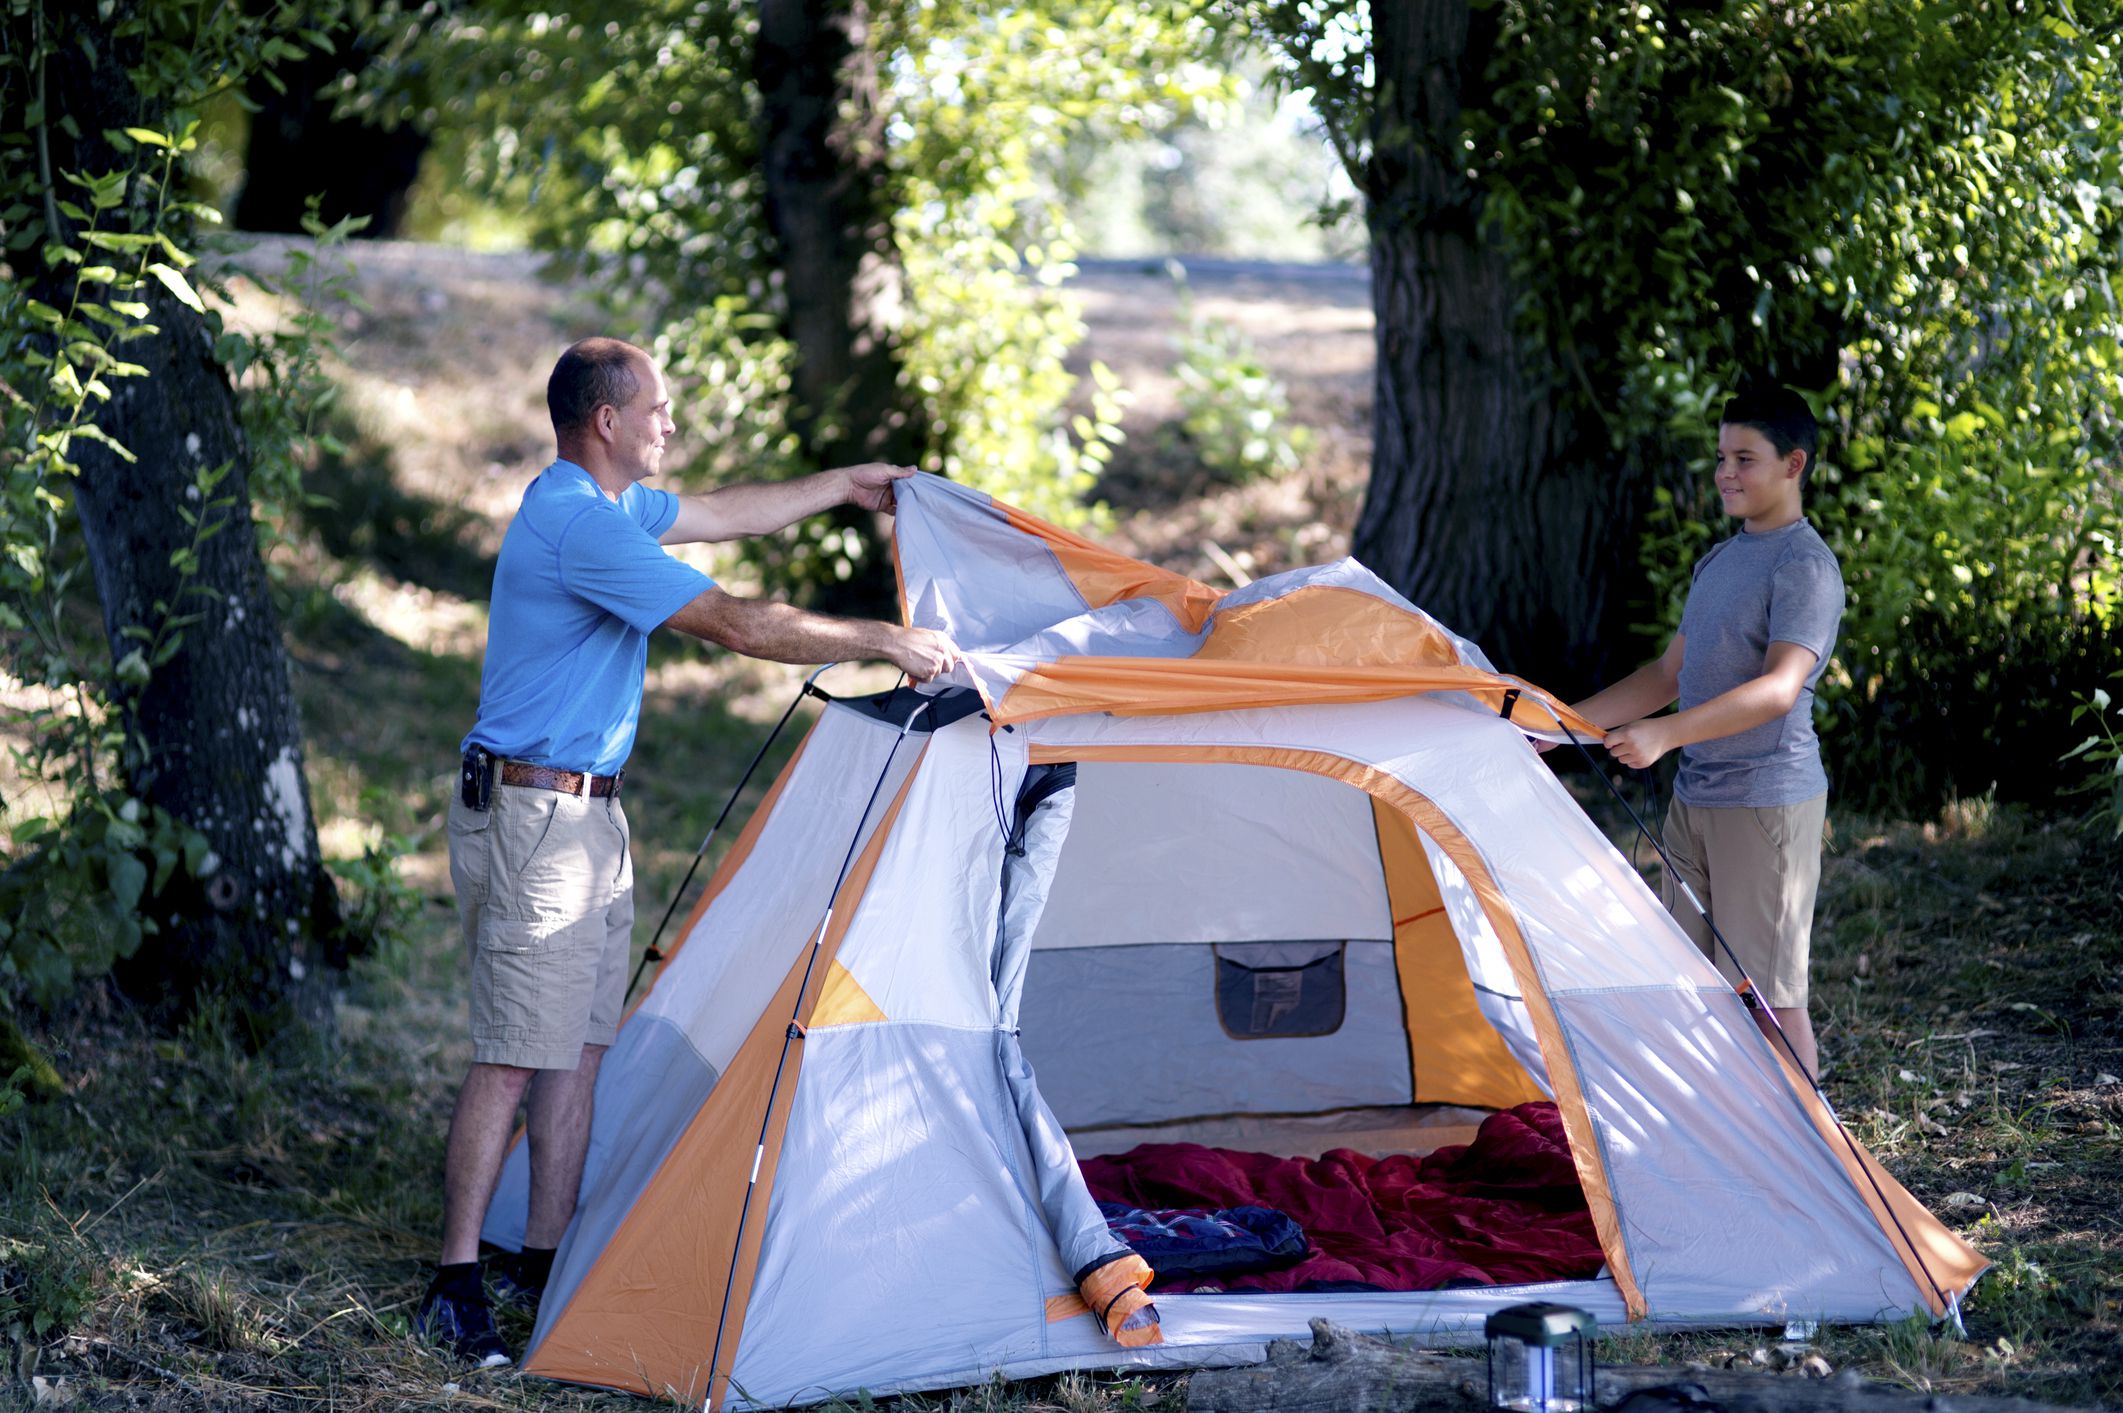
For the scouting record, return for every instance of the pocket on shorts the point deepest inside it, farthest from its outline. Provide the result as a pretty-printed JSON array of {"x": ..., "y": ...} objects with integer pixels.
[
  {"x": 1775, "y": 823},
  {"x": 470, "y": 872},
  {"x": 527, "y": 902}
]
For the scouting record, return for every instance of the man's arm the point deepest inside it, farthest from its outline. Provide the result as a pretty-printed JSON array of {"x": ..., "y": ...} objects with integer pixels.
[
  {"x": 762, "y": 507},
  {"x": 779, "y": 632},
  {"x": 1650, "y": 688},
  {"x": 1759, "y": 699}
]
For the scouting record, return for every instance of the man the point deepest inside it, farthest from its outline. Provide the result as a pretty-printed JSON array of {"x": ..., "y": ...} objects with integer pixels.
[
  {"x": 538, "y": 842},
  {"x": 1751, "y": 798}
]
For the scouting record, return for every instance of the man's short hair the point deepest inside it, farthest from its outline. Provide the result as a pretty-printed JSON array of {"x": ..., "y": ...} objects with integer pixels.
[
  {"x": 1777, "y": 413},
  {"x": 589, "y": 375}
]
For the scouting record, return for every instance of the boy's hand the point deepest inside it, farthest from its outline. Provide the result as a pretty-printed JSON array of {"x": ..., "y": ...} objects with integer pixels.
[{"x": 1639, "y": 743}]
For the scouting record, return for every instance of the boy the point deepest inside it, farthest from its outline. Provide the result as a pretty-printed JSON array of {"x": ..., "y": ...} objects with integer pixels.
[{"x": 1750, "y": 800}]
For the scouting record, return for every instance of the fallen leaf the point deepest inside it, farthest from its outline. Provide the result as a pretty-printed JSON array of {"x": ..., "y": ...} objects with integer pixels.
[{"x": 1958, "y": 1200}]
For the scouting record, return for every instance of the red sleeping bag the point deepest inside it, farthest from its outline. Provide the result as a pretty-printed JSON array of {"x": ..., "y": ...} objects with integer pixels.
[{"x": 1505, "y": 1209}]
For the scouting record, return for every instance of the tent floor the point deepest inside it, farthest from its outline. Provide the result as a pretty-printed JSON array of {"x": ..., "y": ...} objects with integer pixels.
[{"x": 1402, "y": 1128}]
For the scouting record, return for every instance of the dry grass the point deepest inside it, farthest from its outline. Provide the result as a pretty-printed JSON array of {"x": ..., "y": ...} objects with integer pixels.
[{"x": 203, "y": 1229}]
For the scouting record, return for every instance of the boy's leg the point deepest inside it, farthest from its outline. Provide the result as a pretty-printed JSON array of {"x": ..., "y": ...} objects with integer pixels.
[
  {"x": 1765, "y": 864},
  {"x": 1689, "y": 855}
]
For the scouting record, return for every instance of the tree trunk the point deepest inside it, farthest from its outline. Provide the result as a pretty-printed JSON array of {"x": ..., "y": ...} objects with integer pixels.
[
  {"x": 829, "y": 208},
  {"x": 297, "y": 149},
  {"x": 214, "y": 737},
  {"x": 1487, "y": 505}
]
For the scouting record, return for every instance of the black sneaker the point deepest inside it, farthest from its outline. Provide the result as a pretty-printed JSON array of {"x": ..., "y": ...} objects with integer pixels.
[
  {"x": 511, "y": 1284},
  {"x": 464, "y": 1327}
]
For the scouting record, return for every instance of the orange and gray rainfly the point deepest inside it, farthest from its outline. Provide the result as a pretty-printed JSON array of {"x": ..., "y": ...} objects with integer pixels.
[{"x": 835, "y": 1145}]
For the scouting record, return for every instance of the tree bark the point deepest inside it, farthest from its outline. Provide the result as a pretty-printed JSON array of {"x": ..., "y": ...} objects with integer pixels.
[
  {"x": 829, "y": 208},
  {"x": 1487, "y": 505},
  {"x": 213, "y": 732},
  {"x": 297, "y": 149}
]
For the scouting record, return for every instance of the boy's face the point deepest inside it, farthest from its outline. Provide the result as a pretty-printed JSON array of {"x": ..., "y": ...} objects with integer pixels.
[{"x": 1757, "y": 485}]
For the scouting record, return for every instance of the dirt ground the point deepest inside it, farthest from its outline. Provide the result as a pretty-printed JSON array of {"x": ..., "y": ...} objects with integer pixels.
[{"x": 446, "y": 353}]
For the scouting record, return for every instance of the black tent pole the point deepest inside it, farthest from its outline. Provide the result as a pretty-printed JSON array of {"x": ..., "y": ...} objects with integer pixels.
[{"x": 808, "y": 688}]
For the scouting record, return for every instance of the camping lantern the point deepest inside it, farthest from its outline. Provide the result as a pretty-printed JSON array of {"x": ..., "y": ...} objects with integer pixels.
[{"x": 1540, "y": 1358}]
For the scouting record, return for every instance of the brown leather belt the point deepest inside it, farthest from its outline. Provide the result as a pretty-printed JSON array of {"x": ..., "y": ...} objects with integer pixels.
[{"x": 567, "y": 782}]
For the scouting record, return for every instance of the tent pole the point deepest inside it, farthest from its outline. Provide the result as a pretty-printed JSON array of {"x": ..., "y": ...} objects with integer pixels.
[
  {"x": 1753, "y": 997},
  {"x": 794, "y": 1032},
  {"x": 808, "y": 688}
]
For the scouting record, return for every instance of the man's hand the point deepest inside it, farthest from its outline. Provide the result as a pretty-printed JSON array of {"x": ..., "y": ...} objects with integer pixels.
[
  {"x": 922, "y": 653},
  {"x": 1640, "y": 743},
  {"x": 870, "y": 484}
]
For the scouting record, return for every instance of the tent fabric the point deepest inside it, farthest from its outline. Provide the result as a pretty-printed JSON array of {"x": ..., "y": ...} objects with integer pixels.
[{"x": 830, "y": 1152}]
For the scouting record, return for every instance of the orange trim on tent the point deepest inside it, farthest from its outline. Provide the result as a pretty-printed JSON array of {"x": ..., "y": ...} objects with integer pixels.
[
  {"x": 899, "y": 579},
  {"x": 645, "y": 1314},
  {"x": 1585, "y": 1149},
  {"x": 1106, "y": 576},
  {"x": 1065, "y": 1307},
  {"x": 1134, "y": 686},
  {"x": 1951, "y": 1263},
  {"x": 843, "y": 1001},
  {"x": 1327, "y": 625},
  {"x": 1456, "y": 1055}
]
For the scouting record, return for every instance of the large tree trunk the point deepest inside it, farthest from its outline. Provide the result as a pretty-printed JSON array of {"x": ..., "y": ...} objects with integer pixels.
[
  {"x": 213, "y": 731},
  {"x": 299, "y": 149},
  {"x": 828, "y": 205},
  {"x": 1486, "y": 505}
]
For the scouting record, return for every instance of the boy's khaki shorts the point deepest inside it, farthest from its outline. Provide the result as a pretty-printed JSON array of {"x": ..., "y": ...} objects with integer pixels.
[
  {"x": 545, "y": 891},
  {"x": 1757, "y": 871}
]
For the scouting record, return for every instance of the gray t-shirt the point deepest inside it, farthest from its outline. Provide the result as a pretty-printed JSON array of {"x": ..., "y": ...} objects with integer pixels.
[{"x": 1750, "y": 591}]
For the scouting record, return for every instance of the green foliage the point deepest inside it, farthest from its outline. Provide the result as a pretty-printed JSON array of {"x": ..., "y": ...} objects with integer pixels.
[
  {"x": 1248, "y": 179},
  {"x": 1913, "y": 213},
  {"x": 376, "y": 903},
  {"x": 79, "y": 887},
  {"x": 631, "y": 136},
  {"x": 2102, "y": 754},
  {"x": 1234, "y": 413},
  {"x": 81, "y": 899}
]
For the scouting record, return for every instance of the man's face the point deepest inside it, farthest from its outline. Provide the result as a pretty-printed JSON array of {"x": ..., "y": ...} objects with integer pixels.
[
  {"x": 1753, "y": 481},
  {"x": 643, "y": 425}
]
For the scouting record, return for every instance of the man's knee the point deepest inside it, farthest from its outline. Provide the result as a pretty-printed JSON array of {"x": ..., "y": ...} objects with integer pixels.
[{"x": 488, "y": 1078}]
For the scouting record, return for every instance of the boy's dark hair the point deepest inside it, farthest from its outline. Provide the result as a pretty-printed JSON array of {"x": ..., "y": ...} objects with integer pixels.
[
  {"x": 1779, "y": 414},
  {"x": 589, "y": 375}
]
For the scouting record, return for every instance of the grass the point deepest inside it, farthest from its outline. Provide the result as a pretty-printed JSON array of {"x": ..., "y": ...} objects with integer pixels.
[
  {"x": 189, "y": 1226},
  {"x": 1968, "y": 993}
]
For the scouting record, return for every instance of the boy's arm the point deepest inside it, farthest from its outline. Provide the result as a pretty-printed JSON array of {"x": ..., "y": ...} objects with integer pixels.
[
  {"x": 762, "y": 507},
  {"x": 1650, "y": 688},
  {"x": 1759, "y": 699}
]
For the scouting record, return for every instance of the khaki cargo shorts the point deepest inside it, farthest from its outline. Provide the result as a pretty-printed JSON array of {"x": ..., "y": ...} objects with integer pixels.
[
  {"x": 545, "y": 890},
  {"x": 1757, "y": 871}
]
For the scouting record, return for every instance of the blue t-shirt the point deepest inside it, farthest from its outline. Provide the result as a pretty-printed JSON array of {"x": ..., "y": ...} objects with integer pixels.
[
  {"x": 1750, "y": 591},
  {"x": 578, "y": 587}
]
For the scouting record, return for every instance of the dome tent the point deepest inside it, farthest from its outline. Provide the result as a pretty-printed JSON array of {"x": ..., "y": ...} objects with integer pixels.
[{"x": 821, "y": 1163}]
